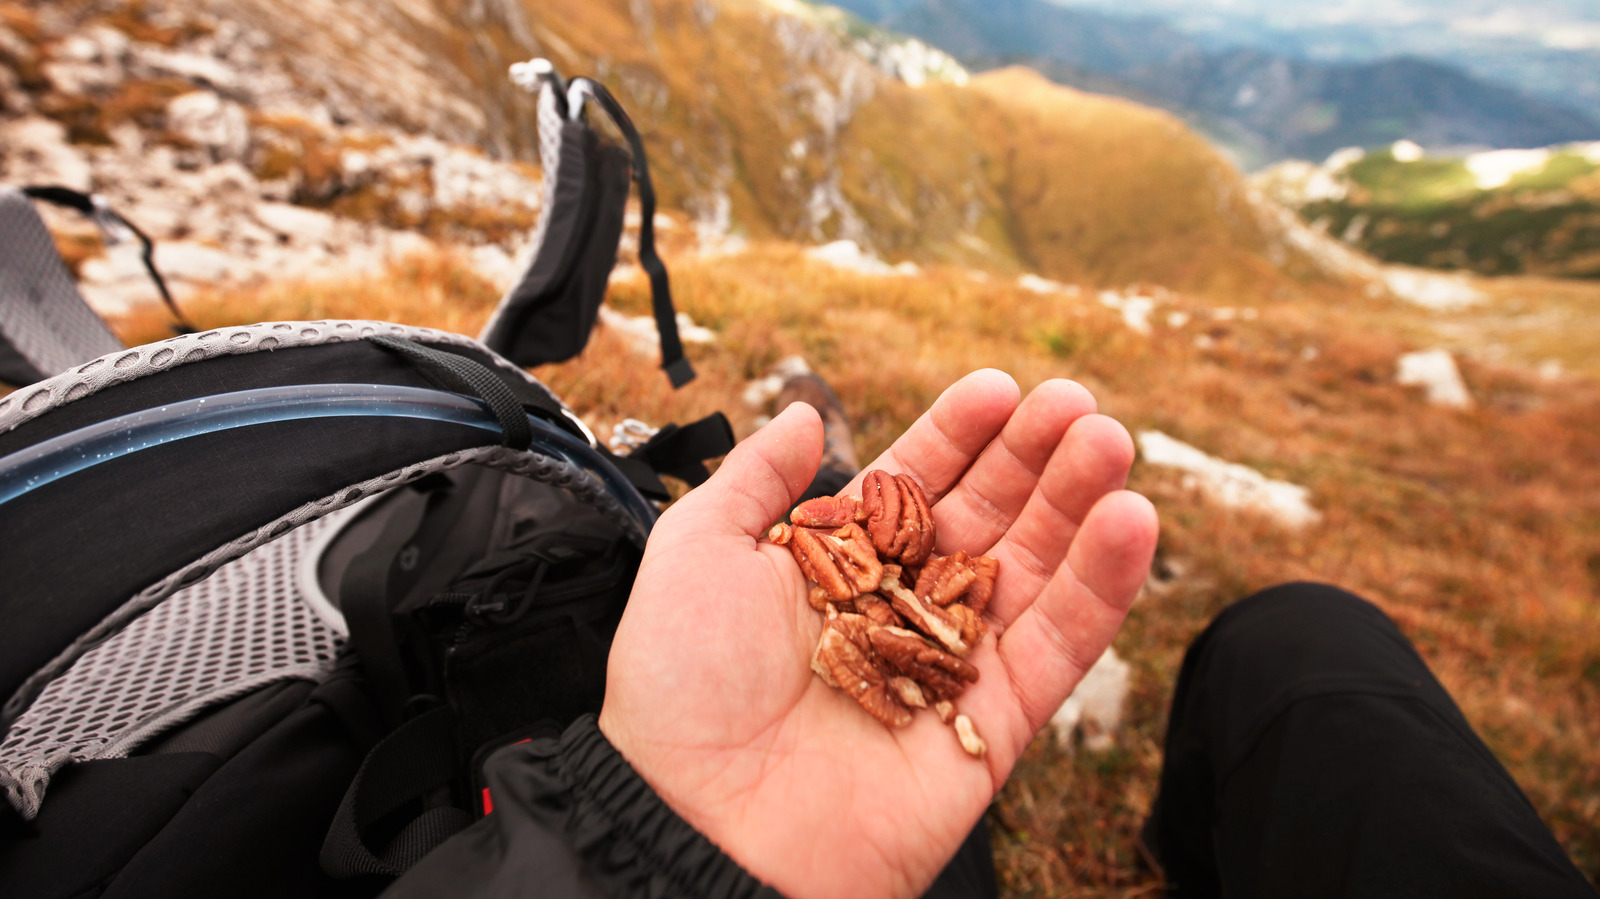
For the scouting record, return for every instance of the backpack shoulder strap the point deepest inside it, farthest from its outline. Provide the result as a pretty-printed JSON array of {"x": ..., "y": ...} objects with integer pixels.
[
  {"x": 549, "y": 312},
  {"x": 45, "y": 326}
]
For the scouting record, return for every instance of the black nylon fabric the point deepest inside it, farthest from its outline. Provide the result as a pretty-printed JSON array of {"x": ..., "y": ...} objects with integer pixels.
[
  {"x": 1311, "y": 753},
  {"x": 350, "y": 362},
  {"x": 682, "y": 451},
  {"x": 100, "y": 815},
  {"x": 548, "y": 315},
  {"x": 673, "y": 362},
  {"x": 143, "y": 516},
  {"x": 228, "y": 729},
  {"x": 417, "y": 757},
  {"x": 254, "y": 827},
  {"x": 462, "y": 375},
  {"x": 572, "y": 819}
]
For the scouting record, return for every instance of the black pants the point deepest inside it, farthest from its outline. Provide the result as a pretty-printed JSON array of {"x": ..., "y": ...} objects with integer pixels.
[{"x": 1310, "y": 752}]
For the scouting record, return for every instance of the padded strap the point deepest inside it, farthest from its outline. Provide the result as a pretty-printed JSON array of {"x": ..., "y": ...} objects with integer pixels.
[{"x": 417, "y": 758}]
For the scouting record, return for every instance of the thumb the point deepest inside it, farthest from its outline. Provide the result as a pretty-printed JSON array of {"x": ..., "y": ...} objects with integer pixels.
[{"x": 758, "y": 481}]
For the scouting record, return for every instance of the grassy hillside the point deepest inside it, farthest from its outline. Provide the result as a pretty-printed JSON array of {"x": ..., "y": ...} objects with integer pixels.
[
  {"x": 1478, "y": 530},
  {"x": 1107, "y": 191},
  {"x": 1434, "y": 211}
]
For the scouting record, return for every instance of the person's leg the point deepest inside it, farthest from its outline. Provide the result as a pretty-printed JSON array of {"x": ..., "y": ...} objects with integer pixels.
[{"x": 1311, "y": 752}]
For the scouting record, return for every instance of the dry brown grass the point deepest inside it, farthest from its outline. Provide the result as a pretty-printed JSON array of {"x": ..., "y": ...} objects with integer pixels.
[{"x": 1478, "y": 531}]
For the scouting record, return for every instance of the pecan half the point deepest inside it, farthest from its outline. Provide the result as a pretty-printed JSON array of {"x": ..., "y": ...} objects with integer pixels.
[
  {"x": 897, "y": 619},
  {"x": 828, "y": 512},
  {"x": 898, "y": 517},
  {"x": 857, "y": 676},
  {"x": 843, "y": 563},
  {"x": 878, "y": 610},
  {"x": 858, "y": 628},
  {"x": 944, "y": 578},
  {"x": 982, "y": 589},
  {"x": 930, "y": 619},
  {"x": 941, "y": 675}
]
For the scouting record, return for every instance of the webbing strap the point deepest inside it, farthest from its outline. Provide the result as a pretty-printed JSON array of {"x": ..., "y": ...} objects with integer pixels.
[
  {"x": 673, "y": 361},
  {"x": 681, "y": 451},
  {"x": 463, "y": 375},
  {"x": 419, "y": 757},
  {"x": 364, "y": 600}
]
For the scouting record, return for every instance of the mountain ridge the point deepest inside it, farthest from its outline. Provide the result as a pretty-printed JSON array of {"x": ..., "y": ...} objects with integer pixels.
[
  {"x": 1313, "y": 107},
  {"x": 761, "y": 124}
]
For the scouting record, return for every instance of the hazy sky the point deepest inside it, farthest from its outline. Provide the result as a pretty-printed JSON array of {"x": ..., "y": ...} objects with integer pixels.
[{"x": 1561, "y": 24}]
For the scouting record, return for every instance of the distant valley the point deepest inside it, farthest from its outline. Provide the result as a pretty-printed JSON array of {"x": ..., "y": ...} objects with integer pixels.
[{"x": 1260, "y": 105}]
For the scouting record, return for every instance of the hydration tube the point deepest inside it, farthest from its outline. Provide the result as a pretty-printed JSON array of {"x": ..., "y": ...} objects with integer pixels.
[{"x": 51, "y": 460}]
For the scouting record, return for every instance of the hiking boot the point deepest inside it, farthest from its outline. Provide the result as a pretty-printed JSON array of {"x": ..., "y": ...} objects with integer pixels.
[{"x": 838, "y": 445}]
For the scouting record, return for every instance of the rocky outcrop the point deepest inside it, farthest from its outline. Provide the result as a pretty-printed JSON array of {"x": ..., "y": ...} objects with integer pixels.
[{"x": 197, "y": 129}]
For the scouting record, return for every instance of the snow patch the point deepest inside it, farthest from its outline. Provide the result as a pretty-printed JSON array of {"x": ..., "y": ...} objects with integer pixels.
[
  {"x": 1496, "y": 168},
  {"x": 1406, "y": 151},
  {"x": 1441, "y": 293},
  {"x": 641, "y": 334},
  {"x": 1036, "y": 284},
  {"x": 912, "y": 61},
  {"x": 1344, "y": 158},
  {"x": 1230, "y": 484},
  {"x": 1135, "y": 308},
  {"x": 764, "y": 390},
  {"x": 848, "y": 255},
  {"x": 1436, "y": 373},
  {"x": 1096, "y": 705}
]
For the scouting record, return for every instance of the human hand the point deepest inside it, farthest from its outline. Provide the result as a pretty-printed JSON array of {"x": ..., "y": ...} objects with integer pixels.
[{"x": 710, "y": 696}]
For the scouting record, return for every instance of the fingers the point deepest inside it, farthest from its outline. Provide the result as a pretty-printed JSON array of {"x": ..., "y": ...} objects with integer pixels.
[
  {"x": 982, "y": 507},
  {"x": 943, "y": 443},
  {"x": 1056, "y": 640},
  {"x": 758, "y": 481},
  {"x": 1091, "y": 461}
]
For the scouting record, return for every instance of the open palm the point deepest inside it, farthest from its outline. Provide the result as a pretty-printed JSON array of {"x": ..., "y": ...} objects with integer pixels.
[{"x": 710, "y": 695}]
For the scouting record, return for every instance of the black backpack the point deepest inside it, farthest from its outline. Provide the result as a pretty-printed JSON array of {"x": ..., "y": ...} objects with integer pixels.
[{"x": 270, "y": 592}]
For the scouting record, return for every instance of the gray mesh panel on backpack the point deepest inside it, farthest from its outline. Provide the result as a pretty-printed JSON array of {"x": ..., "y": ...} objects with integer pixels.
[
  {"x": 549, "y": 123},
  {"x": 242, "y": 628},
  {"x": 45, "y": 326}
]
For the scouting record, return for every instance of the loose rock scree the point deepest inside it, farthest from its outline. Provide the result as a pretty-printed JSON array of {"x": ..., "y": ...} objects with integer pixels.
[{"x": 898, "y": 619}]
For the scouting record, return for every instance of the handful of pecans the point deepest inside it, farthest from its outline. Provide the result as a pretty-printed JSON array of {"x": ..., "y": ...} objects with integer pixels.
[{"x": 898, "y": 619}]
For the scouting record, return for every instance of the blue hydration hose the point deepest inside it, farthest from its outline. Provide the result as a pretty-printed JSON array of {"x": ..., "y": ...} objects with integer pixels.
[{"x": 51, "y": 460}]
